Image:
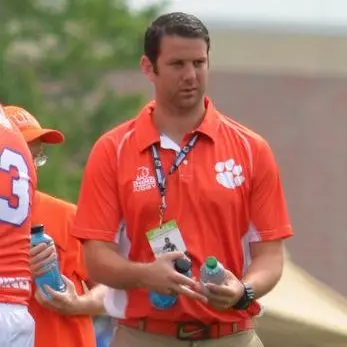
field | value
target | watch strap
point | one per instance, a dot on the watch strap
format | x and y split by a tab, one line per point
246	299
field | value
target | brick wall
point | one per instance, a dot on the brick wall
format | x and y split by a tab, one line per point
305	121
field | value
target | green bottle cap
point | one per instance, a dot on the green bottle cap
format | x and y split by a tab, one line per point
211	262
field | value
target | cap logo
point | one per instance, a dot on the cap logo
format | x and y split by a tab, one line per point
24	118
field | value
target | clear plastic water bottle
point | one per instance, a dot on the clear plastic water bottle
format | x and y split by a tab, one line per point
52	277
165	302
212	271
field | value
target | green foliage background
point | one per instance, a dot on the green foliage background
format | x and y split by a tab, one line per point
54	58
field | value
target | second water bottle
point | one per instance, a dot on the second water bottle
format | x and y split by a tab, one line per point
165	302
52	277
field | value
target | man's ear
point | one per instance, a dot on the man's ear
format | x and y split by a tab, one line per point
147	68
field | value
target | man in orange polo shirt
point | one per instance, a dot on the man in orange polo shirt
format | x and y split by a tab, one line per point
182	170
66	319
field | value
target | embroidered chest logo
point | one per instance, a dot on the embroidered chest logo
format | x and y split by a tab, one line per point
228	174
143	180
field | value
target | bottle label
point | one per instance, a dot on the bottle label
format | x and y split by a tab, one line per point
162	302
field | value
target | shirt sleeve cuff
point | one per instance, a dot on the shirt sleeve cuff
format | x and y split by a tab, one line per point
280	233
93	234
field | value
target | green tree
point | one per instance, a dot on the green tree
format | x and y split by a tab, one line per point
55	57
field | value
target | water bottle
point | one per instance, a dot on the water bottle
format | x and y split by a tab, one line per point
212	271
164	302
53	276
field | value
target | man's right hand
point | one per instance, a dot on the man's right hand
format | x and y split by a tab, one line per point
40	256
161	277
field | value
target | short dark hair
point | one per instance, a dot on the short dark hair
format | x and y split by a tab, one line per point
175	23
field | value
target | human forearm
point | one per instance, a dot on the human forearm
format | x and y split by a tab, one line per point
106	266
261	279
266	267
70	303
92	303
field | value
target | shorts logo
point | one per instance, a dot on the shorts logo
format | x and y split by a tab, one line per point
228	174
143	181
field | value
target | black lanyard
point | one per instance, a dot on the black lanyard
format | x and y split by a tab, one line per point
160	176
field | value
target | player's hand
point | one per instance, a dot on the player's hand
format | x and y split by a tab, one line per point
40	256
225	296
161	277
66	303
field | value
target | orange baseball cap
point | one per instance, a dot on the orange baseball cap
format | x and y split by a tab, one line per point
30	127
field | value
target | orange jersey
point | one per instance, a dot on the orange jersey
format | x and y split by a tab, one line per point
17	184
225	195
53	329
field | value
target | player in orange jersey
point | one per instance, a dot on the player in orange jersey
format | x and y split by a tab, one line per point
66	319
17	184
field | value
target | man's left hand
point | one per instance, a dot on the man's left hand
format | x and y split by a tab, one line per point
225	296
66	303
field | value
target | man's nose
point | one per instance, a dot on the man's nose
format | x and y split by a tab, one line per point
189	72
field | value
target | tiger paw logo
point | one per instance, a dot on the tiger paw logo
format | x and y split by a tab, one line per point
229	174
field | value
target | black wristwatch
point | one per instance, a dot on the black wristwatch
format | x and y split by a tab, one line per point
246	299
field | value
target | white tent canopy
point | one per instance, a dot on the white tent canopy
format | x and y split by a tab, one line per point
301	311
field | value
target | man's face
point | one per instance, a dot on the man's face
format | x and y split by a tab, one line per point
181	72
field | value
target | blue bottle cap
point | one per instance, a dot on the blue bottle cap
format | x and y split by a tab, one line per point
40	228
182	265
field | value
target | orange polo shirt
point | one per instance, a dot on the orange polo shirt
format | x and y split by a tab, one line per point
53	329
224	196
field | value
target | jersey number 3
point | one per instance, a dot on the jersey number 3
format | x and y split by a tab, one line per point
15	215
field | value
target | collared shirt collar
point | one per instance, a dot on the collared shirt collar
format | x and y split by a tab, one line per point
210	124
147	134
145	131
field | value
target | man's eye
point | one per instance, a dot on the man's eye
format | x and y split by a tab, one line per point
199	63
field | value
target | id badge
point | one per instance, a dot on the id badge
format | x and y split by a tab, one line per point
168	238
